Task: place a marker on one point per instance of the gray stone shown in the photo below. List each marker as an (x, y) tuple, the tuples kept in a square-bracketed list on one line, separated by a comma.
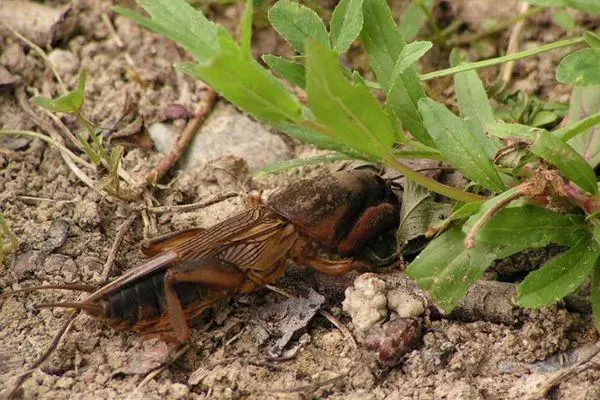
[(226, 132)]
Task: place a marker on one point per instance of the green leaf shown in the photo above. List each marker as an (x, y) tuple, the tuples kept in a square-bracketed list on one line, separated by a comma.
[(298, 162), (564, 20), (592, 39), (384, 44), (580, 68), (447, 269), (459, 145), (527, 225), (504, 130), (349, 110), (547, 3), (246, 39), (585, 101), (346, 24), (543, 117), (588, 6), (412, 18), (245, 83), (295, 73), (307, 135), (474, 106), (560, 276), (69, 103), (180, 22), (567, 160), (577, 128), (410, 54), (297, 23), (595, 289), (418, 212)]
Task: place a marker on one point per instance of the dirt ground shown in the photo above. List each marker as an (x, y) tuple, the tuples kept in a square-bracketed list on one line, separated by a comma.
[(67, 230)]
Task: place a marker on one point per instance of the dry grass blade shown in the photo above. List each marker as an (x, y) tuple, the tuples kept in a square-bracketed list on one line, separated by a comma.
[(112, 255)]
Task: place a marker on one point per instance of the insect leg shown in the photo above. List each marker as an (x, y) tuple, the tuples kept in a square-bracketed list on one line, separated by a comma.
[(334, 267), (209, 271), (371, 223)]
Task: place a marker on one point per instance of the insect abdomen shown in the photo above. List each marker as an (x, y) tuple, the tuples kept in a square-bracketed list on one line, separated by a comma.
[(144, 301)]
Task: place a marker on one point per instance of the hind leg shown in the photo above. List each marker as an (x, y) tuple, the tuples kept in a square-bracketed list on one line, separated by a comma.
[(208, 271)]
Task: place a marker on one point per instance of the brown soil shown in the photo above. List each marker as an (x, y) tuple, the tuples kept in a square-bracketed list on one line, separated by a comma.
[(66, 232)]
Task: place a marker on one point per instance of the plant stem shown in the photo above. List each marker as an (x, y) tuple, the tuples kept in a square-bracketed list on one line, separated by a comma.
[(437, 33), (500, 60), (434, 186), (468, 39)]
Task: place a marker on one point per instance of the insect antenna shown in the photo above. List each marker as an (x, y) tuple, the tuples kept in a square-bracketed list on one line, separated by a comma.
[(94, 308), (43, 357)]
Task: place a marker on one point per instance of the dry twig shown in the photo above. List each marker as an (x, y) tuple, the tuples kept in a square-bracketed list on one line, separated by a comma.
[(112, 255), (181, 143)]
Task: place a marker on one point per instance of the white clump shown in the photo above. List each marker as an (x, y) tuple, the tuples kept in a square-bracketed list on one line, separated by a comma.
[(405, 303), (366, 301)]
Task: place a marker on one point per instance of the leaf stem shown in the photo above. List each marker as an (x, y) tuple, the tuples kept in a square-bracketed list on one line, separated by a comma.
[(500, 60), (434, 186)]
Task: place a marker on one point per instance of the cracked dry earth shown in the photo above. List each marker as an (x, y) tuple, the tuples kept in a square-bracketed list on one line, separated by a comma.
[(66, 232)]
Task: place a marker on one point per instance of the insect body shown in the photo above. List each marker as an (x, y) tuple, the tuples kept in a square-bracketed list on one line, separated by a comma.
[(189, 271)]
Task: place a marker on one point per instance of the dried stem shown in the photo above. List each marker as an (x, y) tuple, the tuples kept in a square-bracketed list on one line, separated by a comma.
[(181, 143), (513, 44), (112, 255)]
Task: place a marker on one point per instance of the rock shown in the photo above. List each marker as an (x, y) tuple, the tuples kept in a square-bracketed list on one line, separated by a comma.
[(59, 263), (404, 303), (162, 136), (66, 62), (394, 339), (27, 263), (86, 214), (56, 235), (8, 80), (225, 132), (366, 302), (178, 391), (40, 23)]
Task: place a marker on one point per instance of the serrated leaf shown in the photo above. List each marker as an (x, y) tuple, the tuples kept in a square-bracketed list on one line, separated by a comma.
[(527, 225), (585, 101), (595, 290), (560, 276), (349, 110), (412, 18), (384, 44), (447, 269), (474, 106), (543, 117), (297, 23), (295, 73), (346, 24), (418, 212), (592, 39), (566, 159), (298, 162), (588, 6), (246, 83), (308, 135), (459, 145), (180, 22), (580, 68), (69, 103), (246, 39), (410, 54)]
